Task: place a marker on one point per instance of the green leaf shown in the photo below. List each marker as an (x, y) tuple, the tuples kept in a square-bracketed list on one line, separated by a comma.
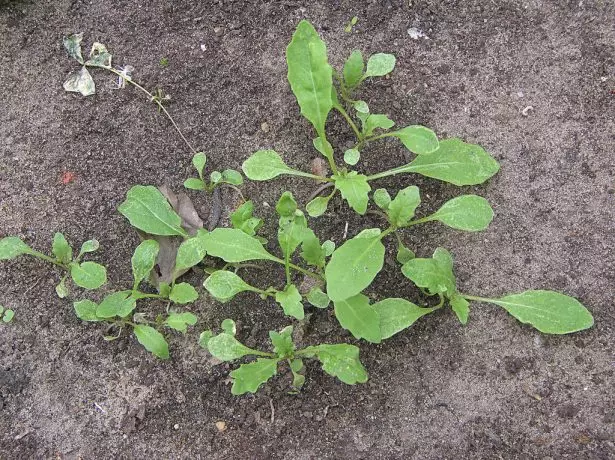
[(183, 293), (80, 82), (312, 251), (215, 177), (359, 317), (355, 190), (466, 212), (147, 209), (402, 208), (318, 206), (352, 156), (456, 162), (353, 69), (191, 252), (233, 245), (243, 220), (431, 274), (198, 161), (229, 326), (204, 338), (296, 366), (548, 311), (230, 176), (286, 205), (380, 64), (144, 259), (265, 165), (88, 246), (318, 298), (322, 148), (292, 232), (249, 377), (152, 340), (397, 315), (282, 342), (461, 307), (290, 301), (86, 310), (61, 249), (418, 139), (225, 347), (11, 247), (382, 198), (117, 304), (194, 183), (361, 107), (99, 56), (310, 75), (72, 43), (341, 361), (404, 254), (376, 121), (8, 315), (224, 285), (88, 275), (61, 289), (328, 246), (181, 321), (353, 266)]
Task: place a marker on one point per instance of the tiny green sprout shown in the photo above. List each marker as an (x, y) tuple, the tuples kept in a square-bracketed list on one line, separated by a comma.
[(351, 24), (6, 314), (339, 360), (228, 177), (164, 62)]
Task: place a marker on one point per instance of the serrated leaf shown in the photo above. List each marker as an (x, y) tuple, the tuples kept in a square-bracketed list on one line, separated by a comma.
[(249, 377), (435, 274), (382, 198), (80, 82), (198, 161), (310, 75), (72, 43), (376, 121), (402, 208), (233, 245), (352, 156), (359, 317), (282, 342), (318, 206), (290, 301), (264, 165), (286, 205), (380, 64), (99, 56), (148, 210), (88, 275), (183, 293), (11, 247), (181, 321), (461, 307), (224, 285), (86, 310), (471, 213), (418, 139), (61, 249), (312, 251), (88, 246), (353, 69), (353, 266), (144, 259), (117, 304), (397, 315), (318, 298), (225, 347), (152, 340), (456, 162), (355, 190), (548, 311), (191, 252), (230, 176), (194, 183), (341, 361)]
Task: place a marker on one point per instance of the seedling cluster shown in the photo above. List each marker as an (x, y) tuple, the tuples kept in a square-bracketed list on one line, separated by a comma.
[(316, 274)]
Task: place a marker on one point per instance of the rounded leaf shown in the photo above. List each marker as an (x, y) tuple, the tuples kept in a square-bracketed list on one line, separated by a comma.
[(380, 64), (264, 165), (88, 275), (467, 212)]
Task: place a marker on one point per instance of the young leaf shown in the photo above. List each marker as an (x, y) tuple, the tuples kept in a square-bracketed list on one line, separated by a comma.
[(148, 210), (152, 340), (61, 289), (461, 307), (292, 232), (194, 183), (418, 139), (11, 247), (198, 161), (397, 315), (243, 220), (72, 44), (352, 156), (8, 315), (404, 254), (312, 251), (426, 273), (88, 275), (86, 310), (233, 245), (402, 208), (286, 205), (361, 107), (117, 304), (359, 317), (380, 64), (183, 293), (318, 206), (204, 338), (224, 285), (355, 189), (548, 311), (382, 198), (88, 246), (229, 326), (99, 56), (290, 301), (376, 121), (191, 251), (456, 162), (282, 342), (265, 165), (215, 177), (310, 75), (466, 212), (323, 148), (328, 246), (230, 176), (225, 347), (144, 259), (181, 321), (80, 82), (341, 361), (318, 298), (353, 266), (249, 377), (353, 69), (61, 249), (296, 366)]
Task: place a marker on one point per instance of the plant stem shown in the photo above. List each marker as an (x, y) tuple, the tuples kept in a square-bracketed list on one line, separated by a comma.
[(287, 268), (299, 269), (422, 220), (391, 172), (46, 258), (295, 172), (476, 298), (352, 124)]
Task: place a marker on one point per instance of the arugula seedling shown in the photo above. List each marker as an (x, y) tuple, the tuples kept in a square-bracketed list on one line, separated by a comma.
[(339, 360), (88, 275), (229, 177), (6, 314)]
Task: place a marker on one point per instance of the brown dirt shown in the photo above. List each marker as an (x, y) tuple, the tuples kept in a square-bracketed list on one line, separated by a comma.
[(492, 389)]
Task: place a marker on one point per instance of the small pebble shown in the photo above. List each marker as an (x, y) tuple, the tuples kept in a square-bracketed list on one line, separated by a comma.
[(219, 31), (176, 426), (203, 48), (221, 426), (265, 127)]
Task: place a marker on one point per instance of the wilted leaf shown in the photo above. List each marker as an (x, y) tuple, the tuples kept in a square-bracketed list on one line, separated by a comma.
[(80, 82)]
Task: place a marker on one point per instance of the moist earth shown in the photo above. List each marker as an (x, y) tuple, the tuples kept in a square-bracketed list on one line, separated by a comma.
[(531, 80)]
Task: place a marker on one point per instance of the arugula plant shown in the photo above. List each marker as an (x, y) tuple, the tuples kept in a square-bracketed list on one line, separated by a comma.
[(319, 90), (228, 177), (6, 314), (339, 360), (88, 275)]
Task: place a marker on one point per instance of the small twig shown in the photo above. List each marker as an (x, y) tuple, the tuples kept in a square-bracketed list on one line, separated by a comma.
[(272, 410)]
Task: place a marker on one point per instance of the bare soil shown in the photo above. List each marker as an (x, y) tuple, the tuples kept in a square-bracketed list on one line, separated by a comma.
[(531, 80)]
